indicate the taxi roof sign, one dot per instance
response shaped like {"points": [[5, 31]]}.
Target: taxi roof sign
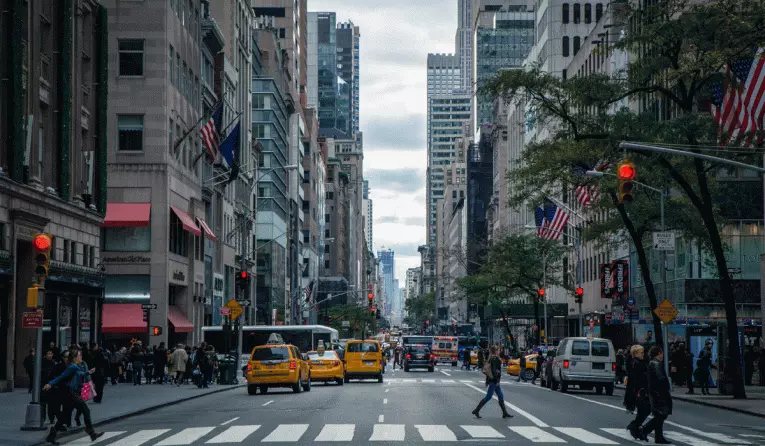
{"points": [[275, 338]]}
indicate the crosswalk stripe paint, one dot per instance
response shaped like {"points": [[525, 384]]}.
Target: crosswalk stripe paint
{"points": [[535, 434], [429, 381], [186, 436], [435, 432], [621, 433], [447, 381], [106, 436], [234, 434], [517, 409], [388, 432], [286, 433], [721, 438], [406, 380], [687, 439], [584, 436], [482, 431], [140, 437], [336, 432], [465, 381]]}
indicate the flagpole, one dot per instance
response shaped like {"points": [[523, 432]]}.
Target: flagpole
{"points": [[202, 118], [558, 203]]}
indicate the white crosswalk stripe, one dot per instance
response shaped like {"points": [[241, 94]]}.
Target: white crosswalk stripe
{"points": [[106, 436], [482, 431], [234, 434], [336, 432], [140, 437], [622, 433], [388, 432], [186, 436], [681, 437], [584, 436], [286, 433], [536, 435], [435, 432]]}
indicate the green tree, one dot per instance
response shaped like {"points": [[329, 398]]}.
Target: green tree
{"points": [[678, 49], [357, 316], [420, 309]]}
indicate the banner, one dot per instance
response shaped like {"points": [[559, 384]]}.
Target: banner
{"points": [[615, 280]]}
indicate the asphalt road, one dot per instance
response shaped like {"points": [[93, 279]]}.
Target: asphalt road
{"points": [[416, 408]]}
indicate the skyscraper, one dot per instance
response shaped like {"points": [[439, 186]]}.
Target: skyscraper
{"points": [[464, 41], [387, 263], [348, 70]]}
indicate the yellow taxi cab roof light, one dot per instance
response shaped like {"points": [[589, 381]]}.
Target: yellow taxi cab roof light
{"points": [[275, 338]]}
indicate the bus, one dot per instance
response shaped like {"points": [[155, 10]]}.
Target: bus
{"points": [[446, 349], [417, 339]]}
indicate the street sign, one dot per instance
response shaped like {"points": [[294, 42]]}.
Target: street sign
{"points": [[630, 302], [32, 319], [244, 303], [225, 311], [236, 309], [664, 241], [346, 324], [666, 311], [148, 306]]}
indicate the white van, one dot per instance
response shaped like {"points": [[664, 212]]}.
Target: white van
{"points": [[584, 362]]}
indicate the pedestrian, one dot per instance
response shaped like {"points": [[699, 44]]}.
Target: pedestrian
{"points": [[47, 400], [620, 365], [522, 364], [56, 399], [115, 364], [56, 352], [636, 394], [659, 396], [395, 357], [538, 368], [466, 359], [749, 360], [101, 366], [493, 372], [688, 369], [201, 364], [29, 367], [178, 363], [160, 362], [148, 364], [136, 360], [703, 368], [761, 366], [72, 378]]}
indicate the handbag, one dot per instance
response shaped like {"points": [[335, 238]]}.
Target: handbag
{"points": [[87, 392]]}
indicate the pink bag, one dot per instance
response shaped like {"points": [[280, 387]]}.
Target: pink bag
{"points": [[87, 392]]}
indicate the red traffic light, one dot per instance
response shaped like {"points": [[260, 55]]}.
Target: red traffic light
{"points": [[41, 242], [427, 322], [541, 292], [579, 291], [626, 171], [243, 274], [371, 297]]}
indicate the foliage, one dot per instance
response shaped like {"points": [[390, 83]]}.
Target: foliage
{"points": [[420, 309], [356, 315]]}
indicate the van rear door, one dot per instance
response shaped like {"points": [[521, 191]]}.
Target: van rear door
{"points": [[580, 357], [600, 356]]}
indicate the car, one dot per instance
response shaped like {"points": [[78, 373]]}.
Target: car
{"points": [[363, 360], [419, 357], [326, 366], [514, 367], [586, 363], [277, 364]]}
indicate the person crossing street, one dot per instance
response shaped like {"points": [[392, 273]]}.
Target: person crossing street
{"points": [[493, 371]]}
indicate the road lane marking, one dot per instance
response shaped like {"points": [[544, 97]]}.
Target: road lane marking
{"points": [[285, 433], [186, 436], [336, 432], [140, 437], [622, 433], [583, 435], [535, 434], [687, 439], [409, 380], [385, 400], [465, 381], [451, 381], [435, 432], [482, 431], [520, 411], [387, 390], [445, 373], [234, 434], [229, 421], [267, 403], [429, 381], [381, 419], [104, 437], [388, 432]]}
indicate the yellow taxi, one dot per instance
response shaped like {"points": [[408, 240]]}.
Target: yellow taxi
{"points": [[363, 360], [514, 366], [326, 365], [277, 364]]}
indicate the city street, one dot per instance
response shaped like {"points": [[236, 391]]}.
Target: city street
{"points": [[415, 408]]}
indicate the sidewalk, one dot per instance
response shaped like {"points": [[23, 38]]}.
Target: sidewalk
{"points": [[754, 404], [119, 401]]}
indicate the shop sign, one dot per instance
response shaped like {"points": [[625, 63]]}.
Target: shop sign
{"points": [[126, 259], [614, 279], [177, 276]]}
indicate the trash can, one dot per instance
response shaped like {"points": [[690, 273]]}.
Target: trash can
{"points": [[227, 370]]}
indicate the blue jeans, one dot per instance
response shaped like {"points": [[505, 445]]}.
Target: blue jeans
{"points": [[493, 388]]}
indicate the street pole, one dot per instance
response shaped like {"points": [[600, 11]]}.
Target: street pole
{"points": [[544, 287], [578, 242], [664, 285], [34, 420]]}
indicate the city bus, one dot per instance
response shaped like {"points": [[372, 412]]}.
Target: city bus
{"points": [[446, 349]]}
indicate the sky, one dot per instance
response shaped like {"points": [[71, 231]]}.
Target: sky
{"points": [[396, 37]]}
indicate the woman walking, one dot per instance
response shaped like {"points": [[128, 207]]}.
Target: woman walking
{"points": [[493, 376], [636, 395], [72, 379], [659, 396]]}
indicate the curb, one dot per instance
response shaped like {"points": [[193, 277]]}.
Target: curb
{"points": [[144, 410]]}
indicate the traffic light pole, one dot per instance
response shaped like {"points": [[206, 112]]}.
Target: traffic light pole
{"points": [[34, 418]]}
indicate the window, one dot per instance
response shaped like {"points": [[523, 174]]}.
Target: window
{"points": [[577, 13], [178, 71], [577, 43], [130, 133], [326, 249], [565, 46], [182, 86], [326, 218], [580, 348], [130, 239], [600, 348], [306, 233], [131, 57], [565, 13], [172, 65], [283, 33], [170, 140], [326, 264], [329, 195], [179, 238], [564, 74], [587, 13], [598, 11], [306, 176]]}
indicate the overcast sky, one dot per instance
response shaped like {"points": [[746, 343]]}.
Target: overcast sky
{"points": [[396, 37]]}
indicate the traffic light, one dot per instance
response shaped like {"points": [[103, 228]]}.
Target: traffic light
{"points": [[541, 294], [625, 171], [156, 331], [146, 315], [33, 297], [372, 309], [579, 294], [42, 244], [242, 284], [370, 298]]}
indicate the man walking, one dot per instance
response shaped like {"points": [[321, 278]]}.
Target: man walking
{"points": [[136, 359], [100, 365], [493, 372], [160, 361], [178, 363], [522, 364], [29, 367], [659, 396]]}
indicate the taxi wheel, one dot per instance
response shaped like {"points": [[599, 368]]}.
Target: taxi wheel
{"points": [[599, 390], [252, 389], [307, 385], [263, 390], [346, 379], [379, 378], [340, 382], [609, 389], [296, 388]]}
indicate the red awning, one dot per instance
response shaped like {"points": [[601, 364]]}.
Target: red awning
{"points": [[178, 319], [127, 214], [186, 221], [123, 318], [208, 232]]}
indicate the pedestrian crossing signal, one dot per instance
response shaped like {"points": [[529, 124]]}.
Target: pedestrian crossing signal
{"points": [[156, 331]]}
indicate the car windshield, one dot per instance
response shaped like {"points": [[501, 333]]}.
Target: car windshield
{"points": [[329, 354], [271, 354], [362, 347]]}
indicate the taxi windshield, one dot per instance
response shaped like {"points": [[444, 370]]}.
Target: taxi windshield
{"points": [[271, 354], [329, 354], [363, 347]]}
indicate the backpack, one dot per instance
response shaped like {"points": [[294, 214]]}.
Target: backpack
{"points": [[487, 369]]}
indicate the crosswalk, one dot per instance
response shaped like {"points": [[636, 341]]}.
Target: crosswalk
{"points": [[433, 381], [438, 433]]}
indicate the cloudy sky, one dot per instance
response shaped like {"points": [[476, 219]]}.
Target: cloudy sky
{"points": [[396, 36]]}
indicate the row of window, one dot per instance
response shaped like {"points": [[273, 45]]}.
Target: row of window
{"points": [[577, 16], [183, 78], [188, 15], [565, 41], [75, 253]]}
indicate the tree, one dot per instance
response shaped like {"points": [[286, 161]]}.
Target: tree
{"points": [[357, 317], [517, 266], [420, 309], [680, 49]]}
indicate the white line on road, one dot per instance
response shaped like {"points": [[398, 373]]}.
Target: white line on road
{"points": [[435, 432], [584, 436], [140, 437], [186, 436], [234, 434], [106, 436], [482, 431], [387, 390], [536, 435], [285, 433], [385, 400], [267, 403], [451, 381], [445, 373], [381, 419], [229, 421], [336, 432], [388, 432], [520, 411]]}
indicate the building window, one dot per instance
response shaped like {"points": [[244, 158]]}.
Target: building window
{"points": [[565, 13], [587, 13], [577, 44], [306, 235], [577, 13], [172, 65], [130, 133], [329, 195], [598, 11], [136, 239], [326, 264], [283, 33], [306, 176], [326, 249], [179, 238], [131, 57], [564, 41]]}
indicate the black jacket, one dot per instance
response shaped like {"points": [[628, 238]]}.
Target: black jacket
{"points": [[160, 357], [100, 362], [658, 389], [496, 370], [637, 385]]}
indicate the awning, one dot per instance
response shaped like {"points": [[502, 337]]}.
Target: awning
{"points": [[123, 318], [178, 319], [127, 214], [208, 232], [186, 221]]}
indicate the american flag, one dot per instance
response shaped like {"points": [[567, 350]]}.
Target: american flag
{"points": [[210, 133], [738, 102], [587, 193], [556, 219], [307, 292], [539, 218]]}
